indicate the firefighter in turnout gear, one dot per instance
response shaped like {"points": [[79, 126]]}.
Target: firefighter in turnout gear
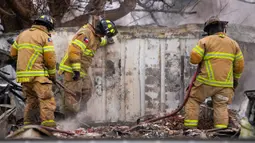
{"points": [[76, 61], [221, 64], [36, 70]]}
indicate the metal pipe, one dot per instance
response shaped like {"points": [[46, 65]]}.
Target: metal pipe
{"points": [[10, 82], [56, 130], [17, 95]]}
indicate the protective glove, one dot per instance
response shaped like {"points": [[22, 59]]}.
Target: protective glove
{"points": [[76, 75], [109, 40], [10, 41], [53, 78], [235, 83]]}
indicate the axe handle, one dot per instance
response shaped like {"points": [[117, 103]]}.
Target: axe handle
{"points": [[66, 89], [56, 130]]}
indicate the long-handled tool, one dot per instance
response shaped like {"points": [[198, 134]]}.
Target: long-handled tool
{"points": [[66, 89]]}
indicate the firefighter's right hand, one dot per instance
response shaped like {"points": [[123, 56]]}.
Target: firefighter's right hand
{"points": [[76, 75]]}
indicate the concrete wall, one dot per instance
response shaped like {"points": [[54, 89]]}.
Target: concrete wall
{"points": [[147, 69]]}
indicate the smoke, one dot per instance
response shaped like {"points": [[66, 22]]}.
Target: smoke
{"points": [[73, 123]]}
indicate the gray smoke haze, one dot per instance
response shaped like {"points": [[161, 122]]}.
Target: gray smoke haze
{"points": [[73, 123]]}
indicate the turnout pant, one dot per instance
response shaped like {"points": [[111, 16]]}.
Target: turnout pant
{"points": [[221, 97], [82, 88], [40, 103]]}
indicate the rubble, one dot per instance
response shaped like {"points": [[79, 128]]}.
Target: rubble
{"points": [[167, 128]]}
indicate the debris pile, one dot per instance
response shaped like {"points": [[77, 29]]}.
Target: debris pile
{"points": [[167, 128]]}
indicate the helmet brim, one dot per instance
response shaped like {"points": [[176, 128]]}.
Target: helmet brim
{"points": [[206, 28]]}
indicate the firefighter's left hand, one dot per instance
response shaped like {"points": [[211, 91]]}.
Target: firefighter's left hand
{"points": [[109, 40], [76, 75]]}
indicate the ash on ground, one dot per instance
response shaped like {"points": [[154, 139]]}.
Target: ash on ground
{"points": [[167, 128]]}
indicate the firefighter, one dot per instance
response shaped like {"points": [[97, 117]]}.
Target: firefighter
{"points": [[77, 59], [36, 71], [221, 64]]}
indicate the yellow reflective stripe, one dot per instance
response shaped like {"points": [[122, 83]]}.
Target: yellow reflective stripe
{"points": [[30, 46], [214, 82], [53, 71], [80, 44], [76, 66], [89, 52], [199, 50], [239, 56], [15, 45], [230, 73], [64, 59], [48, 123], [190, 123], [32, 60], [31, 73], [27, 123], [22, 79], [220, 126], [83, 47], [221, 35], [237, 75], [209, 70], [65, 68], [83, 74], [103, 42], [69, 69], [48, 48], [112, 30], [219, 55], [62, 65], [85, 26]]}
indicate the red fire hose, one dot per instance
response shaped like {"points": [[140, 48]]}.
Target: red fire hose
{"points": [[178, 109]]}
